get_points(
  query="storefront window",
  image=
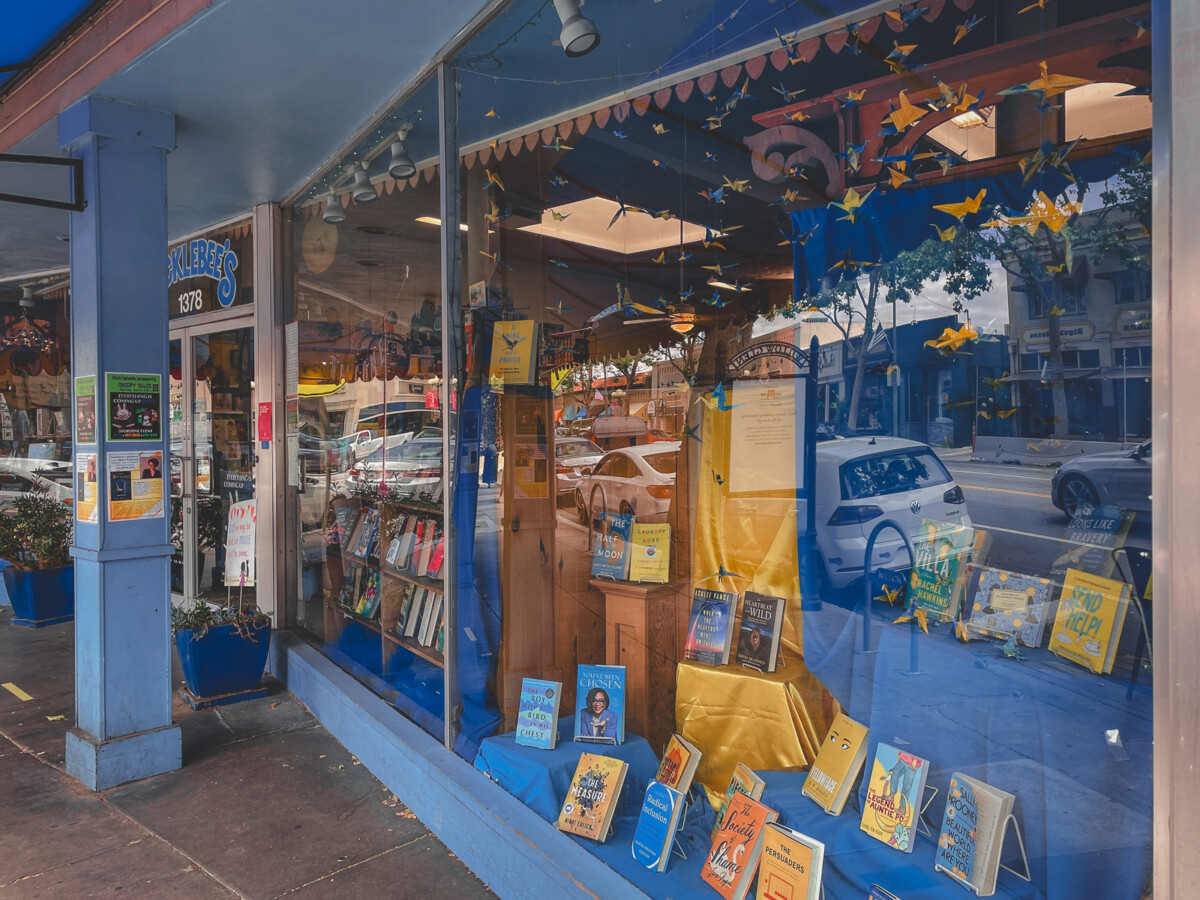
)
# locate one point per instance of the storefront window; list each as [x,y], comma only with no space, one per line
[366,411]
[966,618]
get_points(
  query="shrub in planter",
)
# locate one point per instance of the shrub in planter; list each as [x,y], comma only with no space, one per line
[35,538]
[222,651]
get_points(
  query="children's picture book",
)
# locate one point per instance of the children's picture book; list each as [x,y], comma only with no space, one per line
[592,797]
[710,628]
[657,825]
[941,556]
[836,767]
[1003,604]
[368,601]
[678,765]
[762,625]
[600,705]
[972,836]
[790,866]
[733,859]
[895,790]
[650,553]
[1091,614]
[610,553]
[537,716]
[744,781]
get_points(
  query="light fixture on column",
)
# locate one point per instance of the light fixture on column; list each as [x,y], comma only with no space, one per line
[334,214]
[364,191]
[580,35]
[402,165]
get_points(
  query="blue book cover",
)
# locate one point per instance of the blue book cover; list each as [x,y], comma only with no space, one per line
[657,825]
[610,555]
[600,705]
[710,628]
[537,716]
[956,843]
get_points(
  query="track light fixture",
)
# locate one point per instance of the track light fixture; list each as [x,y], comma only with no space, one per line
[364,191]
[579,36]
[402,165]
[334,214]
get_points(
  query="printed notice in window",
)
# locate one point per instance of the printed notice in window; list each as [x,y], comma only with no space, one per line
[766,451]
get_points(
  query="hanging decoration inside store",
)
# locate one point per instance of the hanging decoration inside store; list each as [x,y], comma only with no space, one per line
[29,345]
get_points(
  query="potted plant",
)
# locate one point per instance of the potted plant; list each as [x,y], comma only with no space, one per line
[222,651]
[35,539]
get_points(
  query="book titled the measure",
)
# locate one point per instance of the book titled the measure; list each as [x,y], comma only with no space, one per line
[710,629]
[592,797]
[537,717]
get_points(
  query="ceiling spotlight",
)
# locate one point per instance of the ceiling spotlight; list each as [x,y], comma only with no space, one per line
[579,36]
[364,191]
[402,165]
[334,214]
[27,298]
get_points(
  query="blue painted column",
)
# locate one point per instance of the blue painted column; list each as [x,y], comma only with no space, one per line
[123,729]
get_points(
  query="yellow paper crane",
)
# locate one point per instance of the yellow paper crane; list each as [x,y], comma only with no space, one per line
[951,340]
[1044,211]
[1045,84]
[906,115]
[946,235]
[897,175]
[970,205]
[851,202]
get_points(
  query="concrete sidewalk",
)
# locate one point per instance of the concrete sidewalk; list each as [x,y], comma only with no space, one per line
[267,804]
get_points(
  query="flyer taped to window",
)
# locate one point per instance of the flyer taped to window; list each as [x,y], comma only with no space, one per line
[135,486]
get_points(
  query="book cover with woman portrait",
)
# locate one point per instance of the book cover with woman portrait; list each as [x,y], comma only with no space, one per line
[600,705]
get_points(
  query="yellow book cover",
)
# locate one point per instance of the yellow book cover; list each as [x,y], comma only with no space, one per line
[678,764]
[790,865]
[837,763]
[1091,612]
[650,553]
[592,796]
[514,347]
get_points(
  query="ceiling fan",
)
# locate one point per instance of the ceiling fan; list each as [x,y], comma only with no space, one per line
[681,319]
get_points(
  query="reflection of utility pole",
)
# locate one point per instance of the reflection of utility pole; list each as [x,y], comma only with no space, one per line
[896,381]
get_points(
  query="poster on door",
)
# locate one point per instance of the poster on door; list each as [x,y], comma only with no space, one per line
[239,544]
[135,486]
[86,488]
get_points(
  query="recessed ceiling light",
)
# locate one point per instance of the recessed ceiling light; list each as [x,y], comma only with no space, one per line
[367,263]
[969,119]
[434,220]
[372,229]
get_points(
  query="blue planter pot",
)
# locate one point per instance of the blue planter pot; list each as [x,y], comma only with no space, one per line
[41,597]
[222,667]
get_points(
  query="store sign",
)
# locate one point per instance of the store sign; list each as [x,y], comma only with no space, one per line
[1133,323]
[1080,331]
[202,275]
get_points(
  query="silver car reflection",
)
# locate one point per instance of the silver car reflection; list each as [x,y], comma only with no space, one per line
[1119,478]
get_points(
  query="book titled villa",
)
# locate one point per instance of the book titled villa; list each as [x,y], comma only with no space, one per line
[836,767]
[592,797]
[710,628]
[610,554]
[657,825]
[790,865]
[895,789]
[678,764]
[972,835]
[600,705]
[650,553]
[1005,604]
[537,716]
[758,637]
[1091,614]
[733,859]
[940,559]
[745,782]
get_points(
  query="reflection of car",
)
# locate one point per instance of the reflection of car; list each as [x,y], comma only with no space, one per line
[1120,478]
[571,455]
[413,466]
[638,480]
[862,481]
[18,477]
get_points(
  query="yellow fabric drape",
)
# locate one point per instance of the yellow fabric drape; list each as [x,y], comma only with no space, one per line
[733,714]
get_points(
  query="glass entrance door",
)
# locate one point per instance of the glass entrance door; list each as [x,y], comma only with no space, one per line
[212,463]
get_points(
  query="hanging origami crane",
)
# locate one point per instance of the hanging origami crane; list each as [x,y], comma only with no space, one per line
[559,308]
[1045,86]
[849,264]
[796,239]
[557,145]
[492,179]
[905,17]
[853,155]
[946,235]
[995,383]
[959,210]
[903,116]
[851,202]
[961,31]
[950,341]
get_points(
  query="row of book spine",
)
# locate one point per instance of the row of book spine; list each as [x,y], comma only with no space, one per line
[422,617]
[417,546]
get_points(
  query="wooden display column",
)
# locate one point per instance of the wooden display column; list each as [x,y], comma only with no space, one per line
[641,636]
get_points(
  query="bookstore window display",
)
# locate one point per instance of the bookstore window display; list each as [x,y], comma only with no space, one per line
[365,415]
[938,717]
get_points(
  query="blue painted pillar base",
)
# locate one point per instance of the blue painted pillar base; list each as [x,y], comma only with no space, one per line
[101,765]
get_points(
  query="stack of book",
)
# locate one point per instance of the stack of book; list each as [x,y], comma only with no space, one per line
[417,546]
[422,617]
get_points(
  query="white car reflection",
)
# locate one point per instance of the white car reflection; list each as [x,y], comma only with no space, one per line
[637,480]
